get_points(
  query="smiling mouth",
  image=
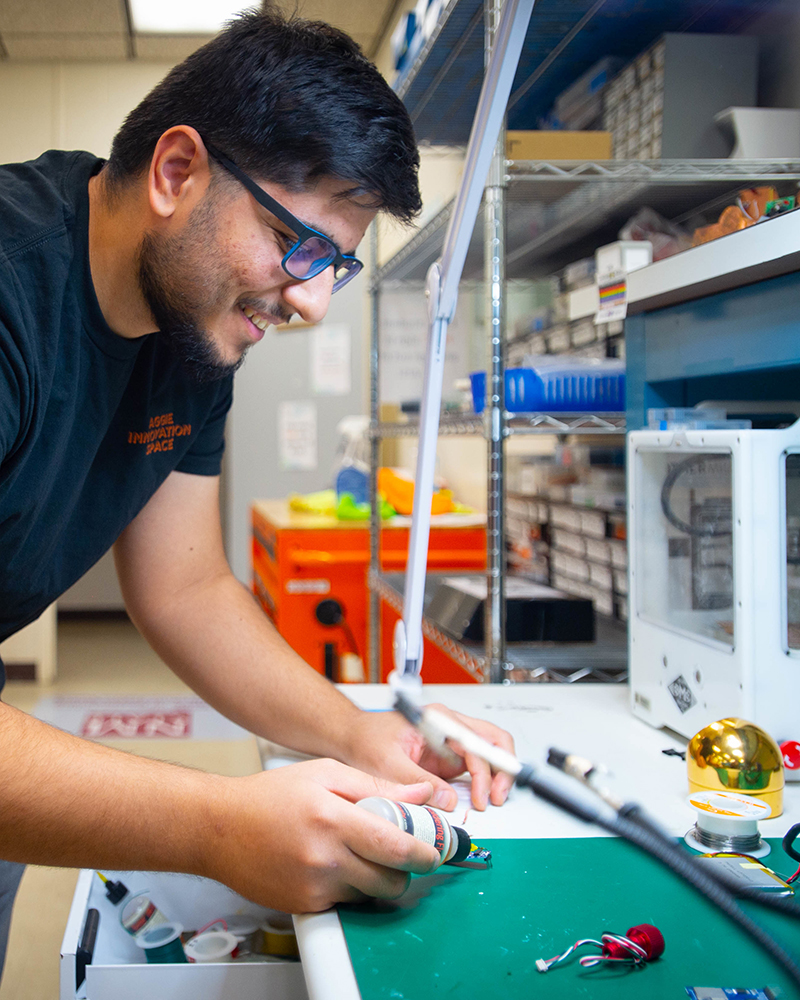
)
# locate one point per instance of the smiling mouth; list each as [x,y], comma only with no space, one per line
[256,318]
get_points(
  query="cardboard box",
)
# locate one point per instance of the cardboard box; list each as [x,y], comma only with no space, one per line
[540,145]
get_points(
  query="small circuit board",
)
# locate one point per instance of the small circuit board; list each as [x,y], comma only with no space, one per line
[723,993]
[478,857]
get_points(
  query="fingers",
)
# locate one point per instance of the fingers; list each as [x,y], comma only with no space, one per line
[422,785]
[487,786]
[352,784]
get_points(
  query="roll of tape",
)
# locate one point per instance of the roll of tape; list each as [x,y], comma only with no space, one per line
[139,913]
[211,946]
[280,940]
[162,943]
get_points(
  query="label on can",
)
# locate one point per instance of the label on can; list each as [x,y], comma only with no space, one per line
[425,824]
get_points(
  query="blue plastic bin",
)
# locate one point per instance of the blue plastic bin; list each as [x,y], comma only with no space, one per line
[571,388]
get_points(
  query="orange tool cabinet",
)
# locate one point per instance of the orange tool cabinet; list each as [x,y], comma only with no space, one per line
[310,577]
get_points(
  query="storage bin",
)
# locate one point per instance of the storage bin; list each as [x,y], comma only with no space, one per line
[118,970]
[565,387]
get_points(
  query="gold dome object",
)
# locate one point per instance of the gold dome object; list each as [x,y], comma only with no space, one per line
[737,756]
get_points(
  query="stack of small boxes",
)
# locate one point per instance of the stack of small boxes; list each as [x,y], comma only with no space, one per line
[634,104]
[665,103]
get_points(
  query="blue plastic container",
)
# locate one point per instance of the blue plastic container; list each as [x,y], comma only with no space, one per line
[555,388]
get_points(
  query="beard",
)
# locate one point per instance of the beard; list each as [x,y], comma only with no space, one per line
[183,282]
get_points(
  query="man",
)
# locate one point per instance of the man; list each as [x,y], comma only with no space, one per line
[235,196]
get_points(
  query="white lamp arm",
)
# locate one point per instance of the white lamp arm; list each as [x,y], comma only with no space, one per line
[442,291]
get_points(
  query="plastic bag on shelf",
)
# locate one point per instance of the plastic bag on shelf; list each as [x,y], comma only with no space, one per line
[667,238]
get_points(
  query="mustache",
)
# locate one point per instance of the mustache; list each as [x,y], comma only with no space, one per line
[275,310]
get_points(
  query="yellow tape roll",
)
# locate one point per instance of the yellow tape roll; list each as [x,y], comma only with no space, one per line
[280,940]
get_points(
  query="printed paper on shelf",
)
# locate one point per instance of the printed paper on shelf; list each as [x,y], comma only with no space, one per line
[330,359]
[613,296]
[297,435]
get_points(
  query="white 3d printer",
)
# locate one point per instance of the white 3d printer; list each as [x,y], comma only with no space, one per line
[714,555]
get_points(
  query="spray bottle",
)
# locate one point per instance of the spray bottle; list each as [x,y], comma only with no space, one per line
[432,827]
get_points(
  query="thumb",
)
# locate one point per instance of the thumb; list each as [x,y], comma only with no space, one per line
[352,784]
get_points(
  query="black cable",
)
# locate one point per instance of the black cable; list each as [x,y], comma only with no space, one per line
[781,904]
[788,842]
[708,531]
[670,855]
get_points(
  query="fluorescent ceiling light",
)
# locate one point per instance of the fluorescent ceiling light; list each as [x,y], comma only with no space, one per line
[186,17]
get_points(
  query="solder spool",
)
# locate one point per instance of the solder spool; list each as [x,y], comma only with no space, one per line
[727,823]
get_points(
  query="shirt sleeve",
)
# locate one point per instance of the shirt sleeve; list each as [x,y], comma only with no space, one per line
[204,458]
[13,394]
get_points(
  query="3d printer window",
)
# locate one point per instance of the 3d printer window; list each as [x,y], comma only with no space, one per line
[684,531]
[793,551]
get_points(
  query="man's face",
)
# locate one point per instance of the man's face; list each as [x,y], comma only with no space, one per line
[216,283]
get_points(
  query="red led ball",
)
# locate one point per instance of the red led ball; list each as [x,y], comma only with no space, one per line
[648,937]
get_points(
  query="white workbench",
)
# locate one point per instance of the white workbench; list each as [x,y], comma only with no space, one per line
[592,720]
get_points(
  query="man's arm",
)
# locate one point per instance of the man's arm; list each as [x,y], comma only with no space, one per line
[68,802]
[181,594]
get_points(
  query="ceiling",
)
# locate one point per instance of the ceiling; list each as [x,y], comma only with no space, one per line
[75,30]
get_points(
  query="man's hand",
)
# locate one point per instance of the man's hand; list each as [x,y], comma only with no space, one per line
[383,743]
[293,839]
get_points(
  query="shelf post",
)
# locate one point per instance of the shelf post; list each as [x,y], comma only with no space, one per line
[495,270]
[373,665]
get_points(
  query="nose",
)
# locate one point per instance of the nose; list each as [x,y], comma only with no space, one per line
[310,299]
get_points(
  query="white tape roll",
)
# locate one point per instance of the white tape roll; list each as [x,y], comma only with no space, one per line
[211,946]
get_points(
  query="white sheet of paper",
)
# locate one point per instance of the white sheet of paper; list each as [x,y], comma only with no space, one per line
[297,435]
[330,359]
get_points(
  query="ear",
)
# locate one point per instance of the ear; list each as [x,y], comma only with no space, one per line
[179,171]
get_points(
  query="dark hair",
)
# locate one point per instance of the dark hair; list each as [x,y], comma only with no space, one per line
[289,101]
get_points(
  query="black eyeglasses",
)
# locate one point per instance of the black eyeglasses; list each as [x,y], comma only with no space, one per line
[313,252]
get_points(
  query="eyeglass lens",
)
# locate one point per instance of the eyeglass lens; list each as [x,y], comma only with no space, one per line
[315,254]
[310,257]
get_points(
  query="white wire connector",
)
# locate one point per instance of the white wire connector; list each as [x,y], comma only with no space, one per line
[613,948]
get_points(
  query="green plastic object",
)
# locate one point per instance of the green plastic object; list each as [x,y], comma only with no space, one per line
[348,510]
[476,935]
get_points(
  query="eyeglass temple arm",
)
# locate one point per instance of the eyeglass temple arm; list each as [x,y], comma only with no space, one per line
[442,289]
[258,193]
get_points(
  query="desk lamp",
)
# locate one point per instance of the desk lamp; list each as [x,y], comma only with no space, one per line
[442,283]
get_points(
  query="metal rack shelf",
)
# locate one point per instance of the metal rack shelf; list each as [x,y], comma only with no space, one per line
[441,86]
[515,423]
[559,212]
[538,217]
[660,171]
[448,425]
[604,660]
[565,423]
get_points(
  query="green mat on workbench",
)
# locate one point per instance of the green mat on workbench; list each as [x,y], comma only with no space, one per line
[476,935]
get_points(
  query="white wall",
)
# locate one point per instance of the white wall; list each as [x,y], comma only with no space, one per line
[72,106]
[68,105]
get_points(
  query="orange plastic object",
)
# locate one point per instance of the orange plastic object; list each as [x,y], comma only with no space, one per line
[732,220]
[399,493]
[300,559]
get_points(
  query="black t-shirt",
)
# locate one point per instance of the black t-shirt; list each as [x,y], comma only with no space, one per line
[91,423]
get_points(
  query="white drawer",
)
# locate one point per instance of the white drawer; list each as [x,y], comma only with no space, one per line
[118,971]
